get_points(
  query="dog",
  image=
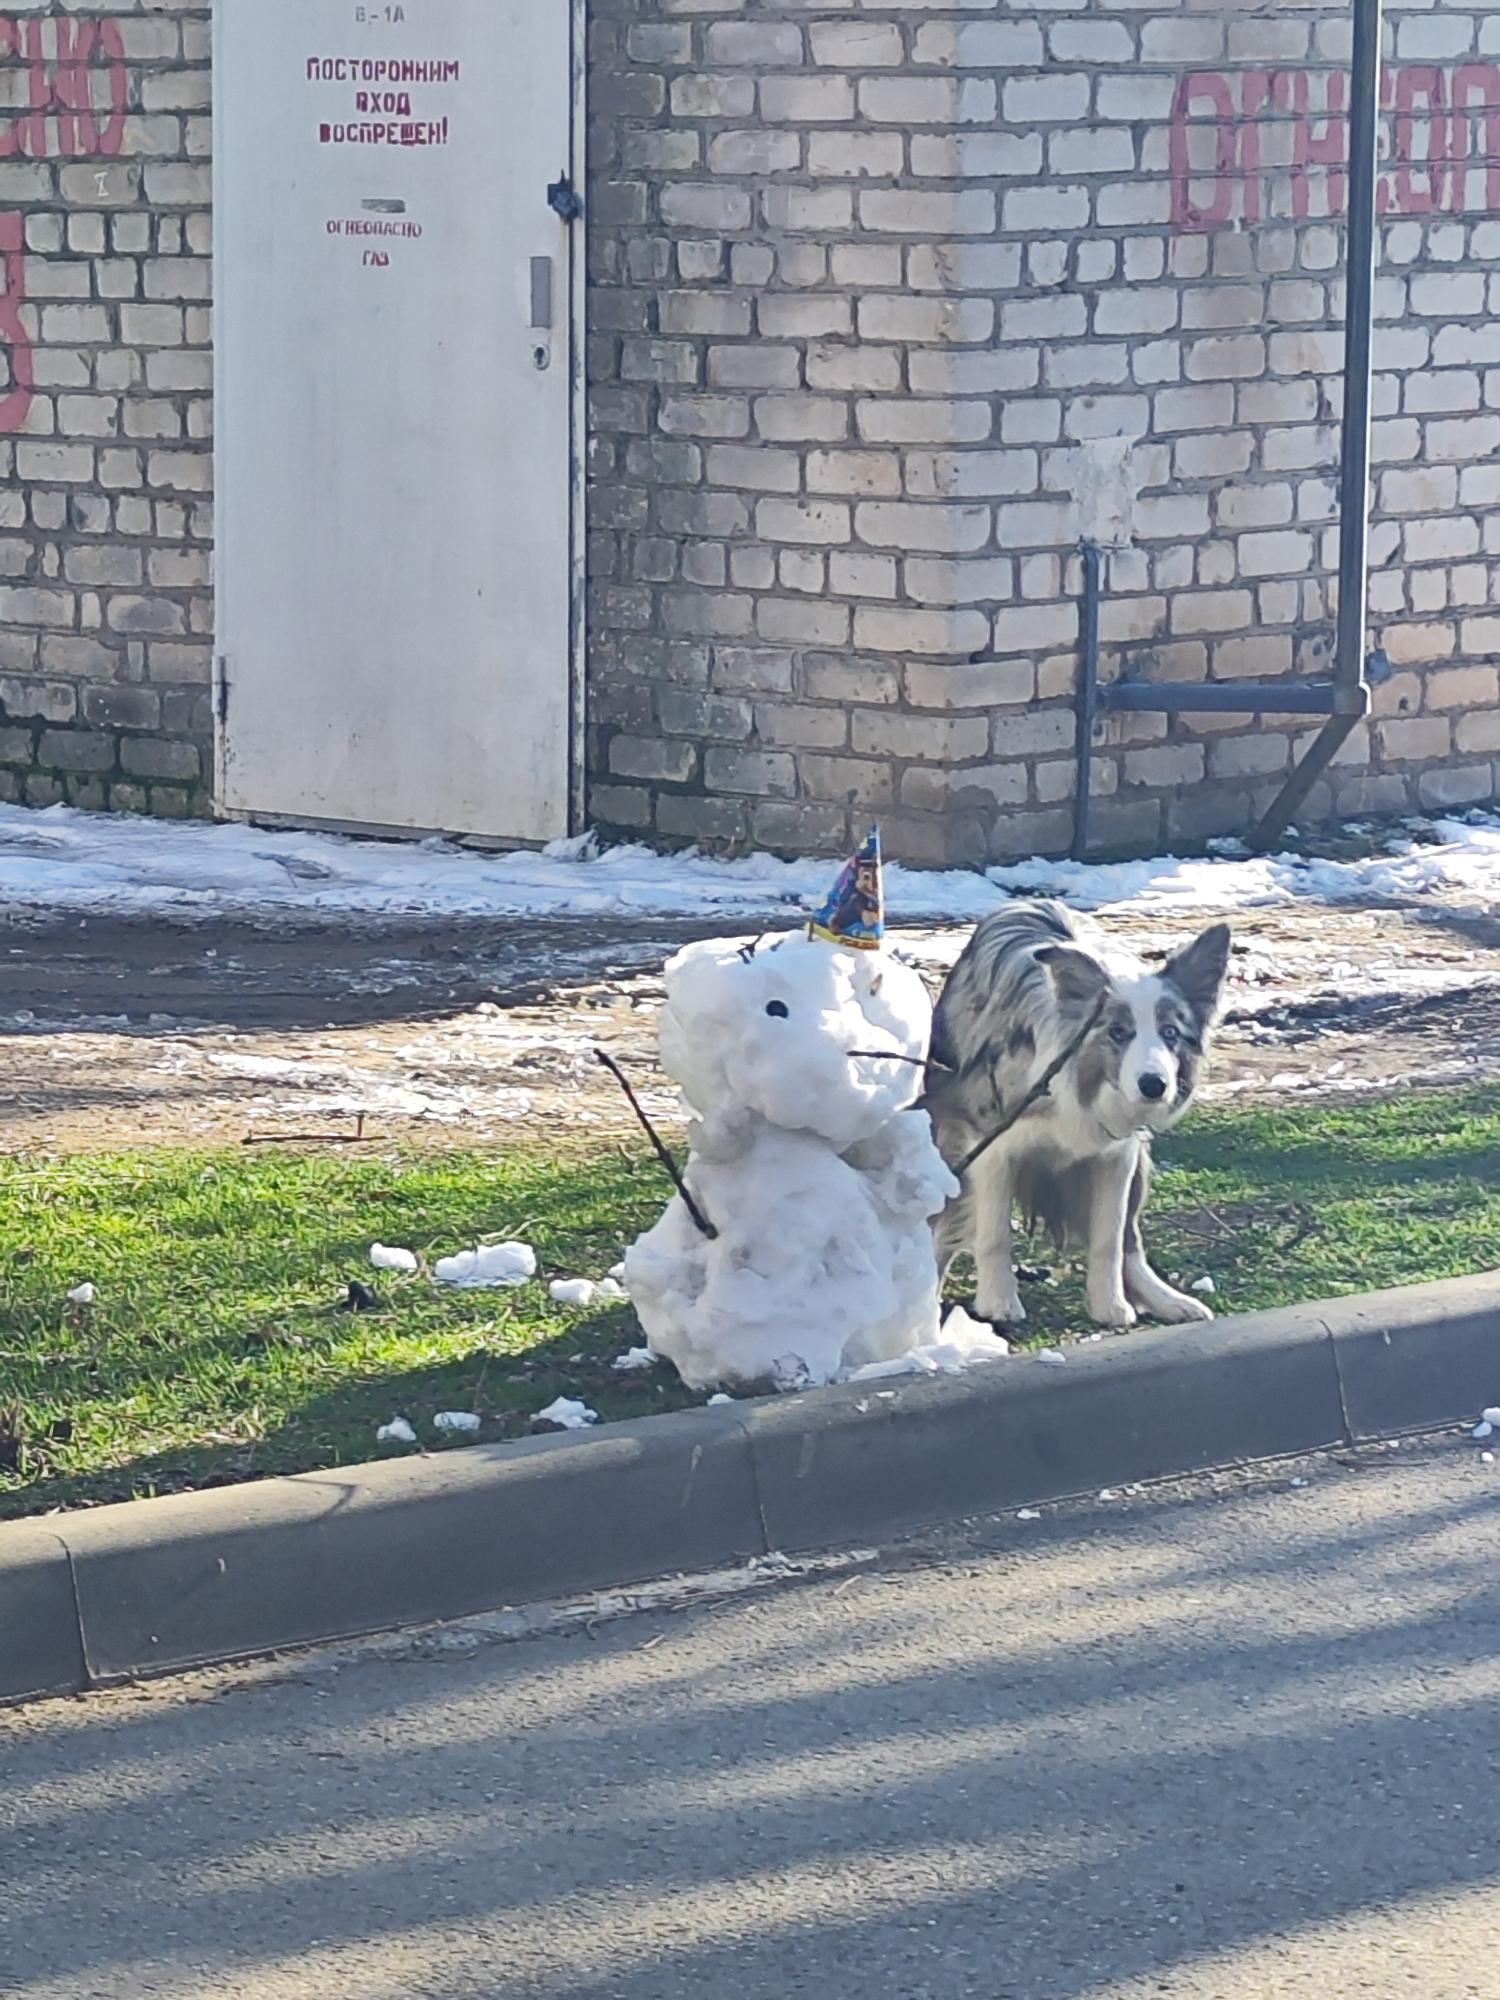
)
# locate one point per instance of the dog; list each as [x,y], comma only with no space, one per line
[1097,1054]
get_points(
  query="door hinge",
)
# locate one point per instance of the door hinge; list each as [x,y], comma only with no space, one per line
[564,199]
[221,693]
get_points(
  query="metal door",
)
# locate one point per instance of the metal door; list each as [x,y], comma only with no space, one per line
[394,342]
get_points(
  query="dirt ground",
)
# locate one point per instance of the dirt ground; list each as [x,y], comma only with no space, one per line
[117,1034]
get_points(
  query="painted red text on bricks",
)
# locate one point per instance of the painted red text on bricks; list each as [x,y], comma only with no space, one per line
[1233,130]
[77,94]
[16,400]
[77,88]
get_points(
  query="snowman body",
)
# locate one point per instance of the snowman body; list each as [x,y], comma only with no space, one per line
[800,1062]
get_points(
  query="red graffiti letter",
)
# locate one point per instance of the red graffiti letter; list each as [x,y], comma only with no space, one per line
[112,136]
[61,89]
[10,50]
[1481,81]
[1428,84]
[1320,146]
[1203,85]
[13,335]
[1257,89]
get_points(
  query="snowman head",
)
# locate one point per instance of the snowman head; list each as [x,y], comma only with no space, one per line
[811,1036]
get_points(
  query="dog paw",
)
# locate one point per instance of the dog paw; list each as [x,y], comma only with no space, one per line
[1006,1310]
[1186,1309]
[1175,1308]
[1117,1314]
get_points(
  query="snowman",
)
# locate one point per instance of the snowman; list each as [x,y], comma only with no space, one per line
[804,1250]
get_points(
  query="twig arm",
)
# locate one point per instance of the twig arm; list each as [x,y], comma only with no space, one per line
[699,1218]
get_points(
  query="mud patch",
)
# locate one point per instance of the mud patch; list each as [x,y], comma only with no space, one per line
[118,1034]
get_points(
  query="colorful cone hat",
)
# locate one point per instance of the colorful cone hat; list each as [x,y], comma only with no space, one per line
[855,913]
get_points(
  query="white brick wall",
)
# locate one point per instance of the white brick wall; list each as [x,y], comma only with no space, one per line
[106,614]
[1009,275]
[887,310]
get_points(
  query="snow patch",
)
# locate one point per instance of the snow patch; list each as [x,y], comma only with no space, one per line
[633,1361]
[1205,1286]
[567,1414]
[66,859]
[397,1431]
[385,1258]
[456,1423]
[964,1343]
[491,1265]
[83,1295]
[572,1291]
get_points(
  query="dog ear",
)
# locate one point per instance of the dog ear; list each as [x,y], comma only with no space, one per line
[1198,972]
[1078,978]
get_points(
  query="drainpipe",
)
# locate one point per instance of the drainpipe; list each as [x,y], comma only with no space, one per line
[1351,684]
[1087,704]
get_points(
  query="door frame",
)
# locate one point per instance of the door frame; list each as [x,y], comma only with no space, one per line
[576,259]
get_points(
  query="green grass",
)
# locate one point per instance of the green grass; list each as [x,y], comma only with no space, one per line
[217,1348]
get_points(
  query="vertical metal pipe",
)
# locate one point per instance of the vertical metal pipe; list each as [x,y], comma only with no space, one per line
[1087,700]
[1354,476]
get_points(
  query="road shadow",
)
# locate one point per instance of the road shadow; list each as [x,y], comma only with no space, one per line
[1281,1730]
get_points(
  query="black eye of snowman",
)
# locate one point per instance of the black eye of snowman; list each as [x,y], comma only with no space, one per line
[778,1010]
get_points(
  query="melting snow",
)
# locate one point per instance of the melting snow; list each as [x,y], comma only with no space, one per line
[457,1423]
[572,1291]
[965,1343]
[494,1264]
[397,1431]
[66,859]
[567,1414]
[386,1259]
[633,1360]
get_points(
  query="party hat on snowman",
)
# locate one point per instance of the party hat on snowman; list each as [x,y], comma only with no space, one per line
[854,913]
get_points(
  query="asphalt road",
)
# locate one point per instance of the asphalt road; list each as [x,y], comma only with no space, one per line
[1240,1740]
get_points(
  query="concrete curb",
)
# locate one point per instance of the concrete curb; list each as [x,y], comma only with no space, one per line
[162,1585]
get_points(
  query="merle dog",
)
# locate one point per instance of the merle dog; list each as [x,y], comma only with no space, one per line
[1036,990]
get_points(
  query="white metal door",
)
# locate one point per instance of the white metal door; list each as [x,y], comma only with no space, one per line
[393,326]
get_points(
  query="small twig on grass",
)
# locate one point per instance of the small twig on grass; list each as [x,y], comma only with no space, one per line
[704,1226]
[12,1437]
[355,1138]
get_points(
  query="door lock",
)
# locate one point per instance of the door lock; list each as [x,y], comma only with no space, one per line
[564,199]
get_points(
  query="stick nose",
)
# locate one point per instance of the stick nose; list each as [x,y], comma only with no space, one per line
[1153,1087]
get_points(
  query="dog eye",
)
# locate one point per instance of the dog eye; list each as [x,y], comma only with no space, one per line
[778,1010]
[1171,1038]
[1121,1034]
